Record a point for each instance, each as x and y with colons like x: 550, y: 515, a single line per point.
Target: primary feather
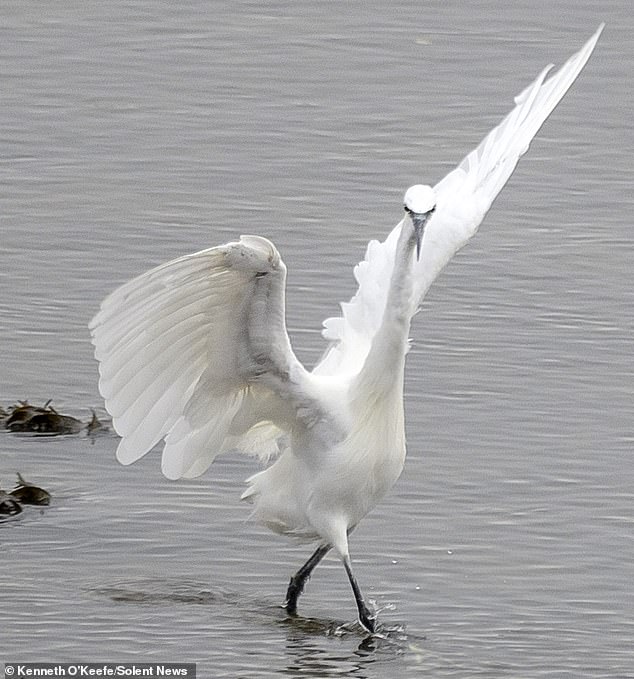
x: 464, y: 197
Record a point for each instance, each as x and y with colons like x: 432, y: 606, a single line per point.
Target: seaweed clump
x: 9, y: 506
x: 28, y: 494
x: 26, y: 418
x: 24, y: 493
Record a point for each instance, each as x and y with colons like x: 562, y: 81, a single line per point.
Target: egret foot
x: 366, y: 618
x: 295, y: 588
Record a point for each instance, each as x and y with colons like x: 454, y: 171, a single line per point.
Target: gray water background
x: 135, y: 131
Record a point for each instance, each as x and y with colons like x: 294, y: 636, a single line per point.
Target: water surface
x: 132, y: 132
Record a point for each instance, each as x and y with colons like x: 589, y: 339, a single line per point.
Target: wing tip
x: 125, y: 455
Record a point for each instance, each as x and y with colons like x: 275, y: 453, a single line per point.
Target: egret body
x: 195, y: 353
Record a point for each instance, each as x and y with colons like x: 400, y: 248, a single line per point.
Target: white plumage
x: 195, y: 352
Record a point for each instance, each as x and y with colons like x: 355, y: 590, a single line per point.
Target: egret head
x: 419, y: 203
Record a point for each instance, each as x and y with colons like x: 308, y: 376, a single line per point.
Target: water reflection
x: 160, y: 592
x: 308, y: 655
x: 315, y: 647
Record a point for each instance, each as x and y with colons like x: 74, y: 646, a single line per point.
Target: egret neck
x: 385, y: 363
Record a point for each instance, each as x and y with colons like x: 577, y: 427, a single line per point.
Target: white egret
x: 195, y: 352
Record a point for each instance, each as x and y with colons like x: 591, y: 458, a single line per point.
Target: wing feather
x: 182, y: 349
x: 463, y: 198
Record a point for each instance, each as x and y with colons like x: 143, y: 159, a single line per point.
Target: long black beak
x: 420, y: 220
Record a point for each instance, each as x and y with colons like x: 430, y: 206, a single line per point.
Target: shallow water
x: 132, y: 132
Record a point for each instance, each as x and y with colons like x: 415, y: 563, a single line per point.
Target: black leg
x: 296, y: 585
x: 366, y: 618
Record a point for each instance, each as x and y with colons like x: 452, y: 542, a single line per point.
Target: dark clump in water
x: 41, y: 420
x: 45, y: 420
x: 9, y: 506
x: 21, y: 413
x: 96, y: 426
x: 28, y: 494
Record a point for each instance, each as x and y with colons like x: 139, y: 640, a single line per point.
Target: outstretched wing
x: 463, y: 198
x: 196, y: 352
